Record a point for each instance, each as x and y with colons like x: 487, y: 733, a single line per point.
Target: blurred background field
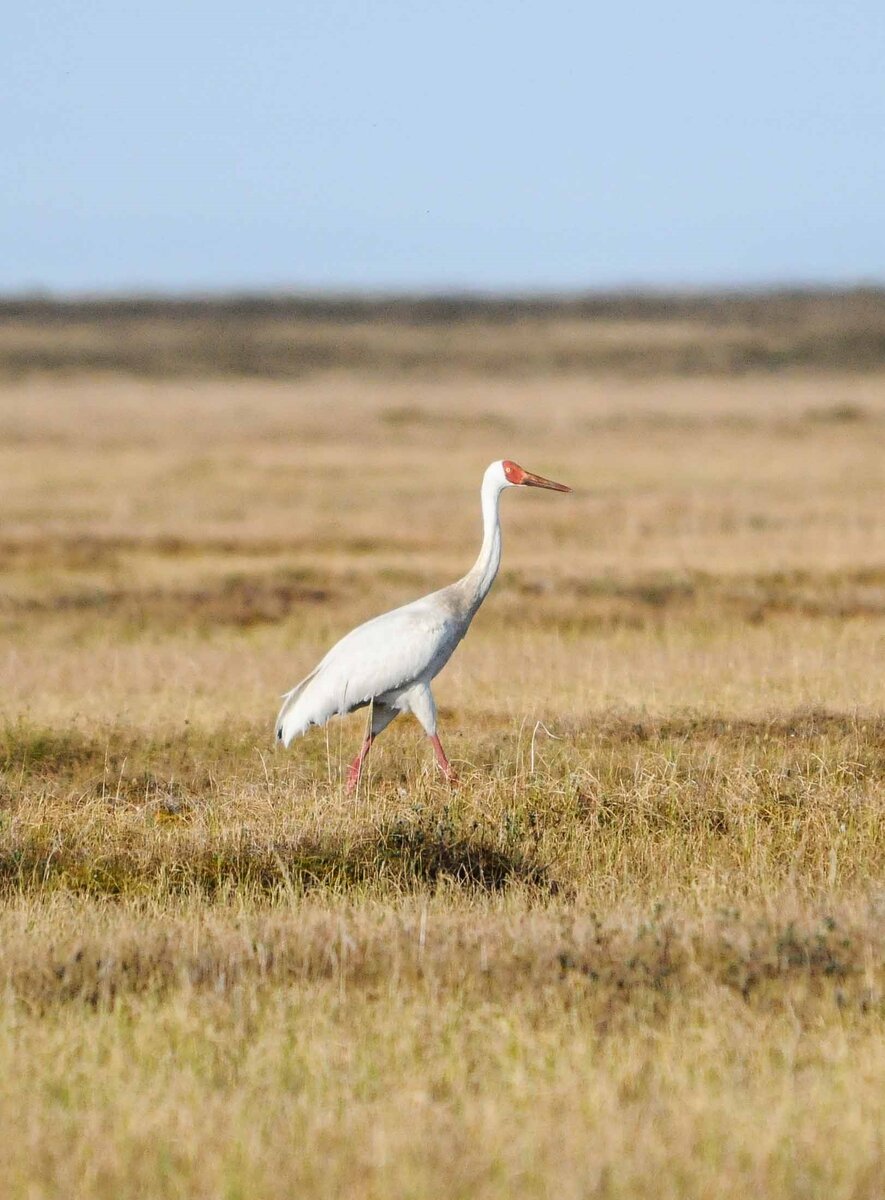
x: 294, y: 337
x: 639, y: 951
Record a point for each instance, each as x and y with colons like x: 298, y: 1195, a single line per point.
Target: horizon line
x: 351, y: 294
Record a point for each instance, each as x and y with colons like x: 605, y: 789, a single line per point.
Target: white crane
x: 389, y: 661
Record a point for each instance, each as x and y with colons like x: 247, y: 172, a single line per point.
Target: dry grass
x: 638, y: 953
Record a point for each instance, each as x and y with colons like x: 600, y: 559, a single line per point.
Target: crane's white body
x: 390, y: 661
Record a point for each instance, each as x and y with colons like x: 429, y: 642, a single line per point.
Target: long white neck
x: 482, y: 574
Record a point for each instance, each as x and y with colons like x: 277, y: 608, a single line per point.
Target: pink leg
x: 445, y: 765
x: 355, y: 769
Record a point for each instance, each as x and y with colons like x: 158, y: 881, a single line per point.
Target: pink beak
x: 531, y: 480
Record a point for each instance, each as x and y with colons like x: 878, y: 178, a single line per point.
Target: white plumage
x: 388, y: 662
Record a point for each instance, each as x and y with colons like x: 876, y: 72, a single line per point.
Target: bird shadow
x: 429, y: 855
x: 181, y: 861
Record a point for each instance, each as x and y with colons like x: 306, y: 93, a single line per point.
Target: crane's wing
x: 383, y: 655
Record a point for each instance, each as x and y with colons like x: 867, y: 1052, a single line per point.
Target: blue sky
x: 487, y: 145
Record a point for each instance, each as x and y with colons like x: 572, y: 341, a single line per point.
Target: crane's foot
x: 444, y: 765
x: 356, y: 767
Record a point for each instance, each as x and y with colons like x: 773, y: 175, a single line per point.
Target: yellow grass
x: 639, y: 952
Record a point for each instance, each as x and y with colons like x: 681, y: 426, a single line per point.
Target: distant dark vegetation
x: 285, y: 337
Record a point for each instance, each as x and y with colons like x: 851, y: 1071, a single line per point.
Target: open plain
x: 638, y: 952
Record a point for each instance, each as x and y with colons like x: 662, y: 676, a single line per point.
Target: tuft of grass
x: 651, y: 961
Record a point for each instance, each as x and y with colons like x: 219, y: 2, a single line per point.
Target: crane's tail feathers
x: 290, y: 722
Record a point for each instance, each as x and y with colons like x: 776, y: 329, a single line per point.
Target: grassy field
x: 638, y: 952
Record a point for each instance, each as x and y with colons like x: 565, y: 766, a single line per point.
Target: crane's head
x: 515, y: 476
